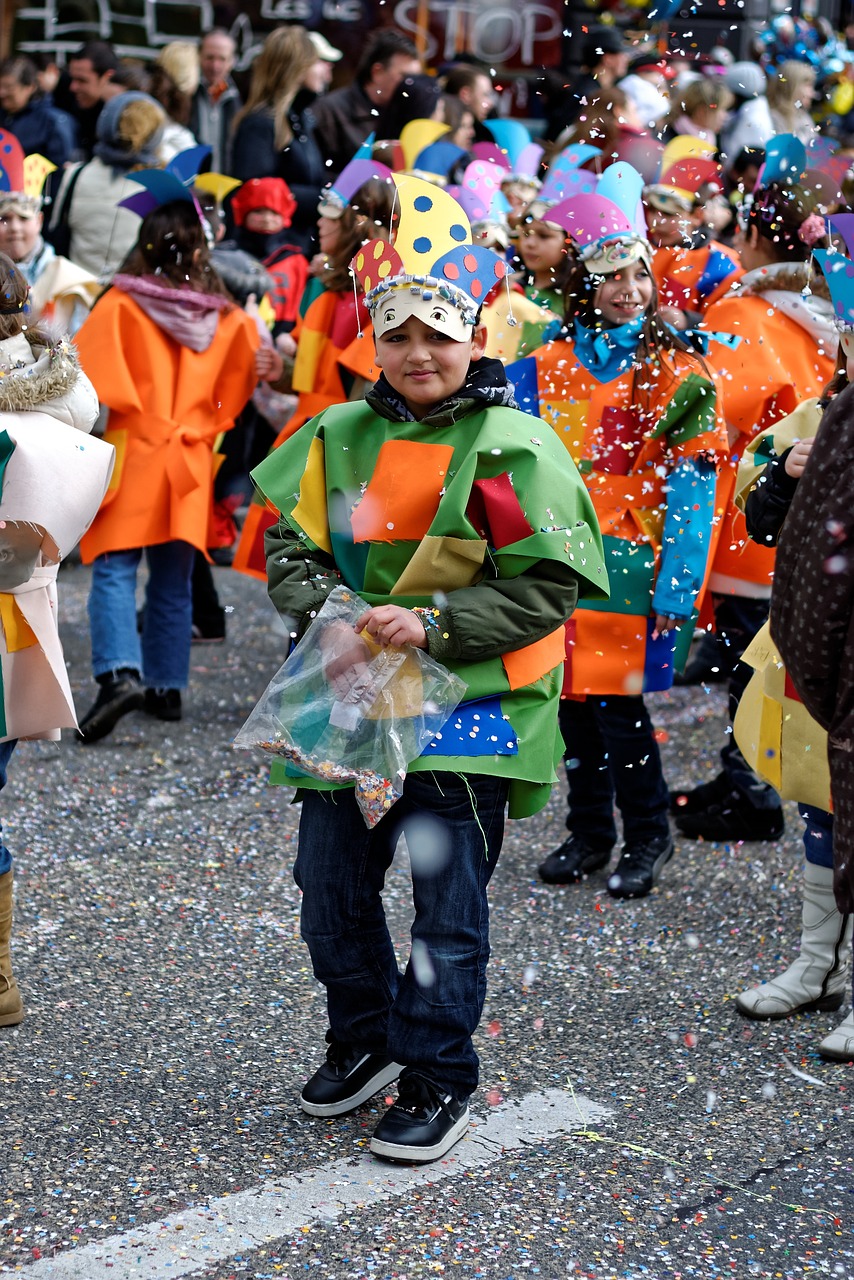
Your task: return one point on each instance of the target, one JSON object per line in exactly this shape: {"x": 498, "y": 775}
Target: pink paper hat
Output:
{"x": 607, "y": 226}
{"x": 479, "y": 193}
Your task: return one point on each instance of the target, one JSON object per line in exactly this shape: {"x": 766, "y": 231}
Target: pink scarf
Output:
{"x": 191, "y": 318}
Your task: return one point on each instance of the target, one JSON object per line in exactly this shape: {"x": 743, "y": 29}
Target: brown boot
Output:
{"x": 11, "y": 1008}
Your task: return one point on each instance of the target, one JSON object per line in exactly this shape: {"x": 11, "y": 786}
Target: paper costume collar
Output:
{"x": 21, "y": 177}
{"x": 607, "y": 226}
{"x": 433, "y": 271}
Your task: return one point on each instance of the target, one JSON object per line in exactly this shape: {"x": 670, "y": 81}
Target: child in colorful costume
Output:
{"x": 183, "y": 362}
{"x": 638, "y": 412}
{"x": 53, "y": 475}
{"x": 465, "y": 527}
{"x": 774, "y": 730}
{"x": 787, "y": 353}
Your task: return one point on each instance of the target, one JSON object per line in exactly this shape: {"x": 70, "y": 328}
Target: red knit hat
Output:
{"x": 263, "y": 193}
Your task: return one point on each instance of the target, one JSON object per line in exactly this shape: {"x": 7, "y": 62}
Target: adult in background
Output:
{"x": 345, "y": 117}
{"x": 750, "y": 124}
{"x": 604, "y": 60}
{"x": 216, "y": 101}
{"x": 274, "y": 133}
{"x": 473, "y": 86}
{"x": 90, "y": 71}
{"x": 174, "y": 79}
{"x": 40, "y": 127}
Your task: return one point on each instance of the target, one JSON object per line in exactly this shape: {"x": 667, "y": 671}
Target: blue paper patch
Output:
{"x": 658, "y": 661}
{"x": 476, "y": 728}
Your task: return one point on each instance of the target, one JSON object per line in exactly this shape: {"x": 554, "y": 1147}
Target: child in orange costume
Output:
{"x": 183, "y": 360}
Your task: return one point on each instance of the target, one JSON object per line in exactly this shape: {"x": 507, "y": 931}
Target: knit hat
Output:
{"x": 264, "y": 193}
{"x": 433, "y": 271}
{"x": 130, "y": 129}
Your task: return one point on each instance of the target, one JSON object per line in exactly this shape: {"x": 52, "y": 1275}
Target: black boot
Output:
{"x": 686, "y": 800}
{"x": 732, "y": 819}
{"x": 163, "y": 704}
{"x": 120, "y": 692}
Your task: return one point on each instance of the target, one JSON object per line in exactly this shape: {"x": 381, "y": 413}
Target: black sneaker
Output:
{"x": 163, "y": 704}
{"x": 686, "y": 800}
{"x": 119, "y": 693}
{"x": 572, "y": 862}
{"x": 423, "y": 1124}
{"x": 348, "y": 1077}
{"x": 639, "y": 867}
{"x": 733, "y": 819}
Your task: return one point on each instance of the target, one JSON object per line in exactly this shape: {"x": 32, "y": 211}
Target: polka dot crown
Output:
{"x": 432, "y": 271}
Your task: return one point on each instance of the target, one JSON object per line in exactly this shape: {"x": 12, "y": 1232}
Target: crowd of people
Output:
{"x": 540, "y": 396}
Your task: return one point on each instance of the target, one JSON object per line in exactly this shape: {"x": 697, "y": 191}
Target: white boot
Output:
{"x": 839, "y": 1045}
{"x": 818, "y": 979}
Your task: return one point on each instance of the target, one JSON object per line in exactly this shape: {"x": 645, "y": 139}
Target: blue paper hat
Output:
{"x": 439, "y": 158}
{"x": 164, "y": 186}
{"x": 838, "y": 271}
{"x": 566, "y": 178}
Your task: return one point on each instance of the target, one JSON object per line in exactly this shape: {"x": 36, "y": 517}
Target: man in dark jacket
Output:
{"x": 345, "y": 117}
{"x": 216, "y": 101}
{"x": 40, "y": 127}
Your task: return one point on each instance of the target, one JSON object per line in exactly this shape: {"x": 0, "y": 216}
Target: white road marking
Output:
{"x": 187, "y": 1242}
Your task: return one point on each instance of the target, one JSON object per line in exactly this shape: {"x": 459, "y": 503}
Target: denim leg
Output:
{"x": 454, "y": 828}
{"x": 112, "y": 612}
{"x": 635, "y": 764}
{"x": 6, "y": 749}
{"x": 341, "y": 868}
{"x": 168, "y": 627}
{"x": 818, "y": 835}
{"x": 590, "y": 791}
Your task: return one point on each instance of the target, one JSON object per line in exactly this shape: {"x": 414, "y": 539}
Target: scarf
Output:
{"x": 606, "y": 353}
{"x": 191, "y": 318}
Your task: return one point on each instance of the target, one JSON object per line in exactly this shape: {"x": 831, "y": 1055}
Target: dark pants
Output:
{"x": 6, "y": 749}
{"x": 423, "y": 1018}
{"x": 611, "y": 754}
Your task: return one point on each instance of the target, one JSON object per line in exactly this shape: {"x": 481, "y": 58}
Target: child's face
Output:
{"x": 542, "y": 247}
{"x": 328, "y": 234}
{"x": 425, "y": 366}
{"x": 666, "y": 230}
{"x": 19, "y": 234}
{"x": 265, "y": 221}
{"x": 625, "y": 295}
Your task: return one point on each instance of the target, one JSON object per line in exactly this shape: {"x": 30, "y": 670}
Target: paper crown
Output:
{"x": 361, "y": 169}
{"x": 607, "y": 225}
{"x": 433, "y": 271}
{"x": 686, "y": 165}
{"x": 21, "y": 177}
{"x": 165, "y": 186}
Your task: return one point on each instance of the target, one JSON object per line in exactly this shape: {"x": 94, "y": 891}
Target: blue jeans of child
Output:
{"x": 611, "y": 754}
{"x": 6, "y": 749}
{"x": 818, "y": 835}
{"x": 423, "y": 1018}
{"x": 163, "y": 657}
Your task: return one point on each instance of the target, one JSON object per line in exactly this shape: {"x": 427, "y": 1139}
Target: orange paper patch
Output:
{"x": 402, "y": 498}
{"x": 608, "y": 652}
{"x": 524, "y": 666}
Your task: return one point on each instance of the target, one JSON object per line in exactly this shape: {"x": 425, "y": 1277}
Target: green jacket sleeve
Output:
{"x": 299, "y": 576}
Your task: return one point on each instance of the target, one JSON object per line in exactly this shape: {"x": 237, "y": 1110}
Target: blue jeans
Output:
{"x": 611, "y": 754}
{"x": 6, "y": 749}
{"x": 818, "y": 835}
{"x": 163, "y": 657}
{"x": 423, "y": 1018}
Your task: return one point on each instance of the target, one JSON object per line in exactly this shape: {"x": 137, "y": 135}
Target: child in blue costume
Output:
{"x": 465, "y": 527}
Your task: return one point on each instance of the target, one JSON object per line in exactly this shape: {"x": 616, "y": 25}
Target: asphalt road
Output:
{"x": 629, "y": 1123}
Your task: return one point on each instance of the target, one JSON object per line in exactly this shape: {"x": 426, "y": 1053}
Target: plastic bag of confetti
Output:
{"x": 346, "y": 710}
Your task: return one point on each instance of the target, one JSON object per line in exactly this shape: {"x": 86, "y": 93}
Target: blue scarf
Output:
{"x": 606, "y": 353}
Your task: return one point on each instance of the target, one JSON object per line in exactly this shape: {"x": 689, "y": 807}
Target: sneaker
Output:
{"x": 639, "y": 867}
{"x": 423, "y": 1124}
{"x": 119, "y": 693}
{"x": 573, "y": 861}
{"x": 163, "y": 704}
{"x": 732, "y": 819}
{"x": 348, "y": 1077}
{"x": 686, "y": 800}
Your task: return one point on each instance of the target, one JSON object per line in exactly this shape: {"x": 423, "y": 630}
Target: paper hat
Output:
{"x": 21, "y": 177}
{"x": 607, "y": 226}
{"x": 416, "y": 135}
{"x": 485, "y": 205}
{"x": 439, "y": 159}
{"x": 564, "y": 179}
{"x": 520, "y": 156}
{"x": 165, "y": 186}
{"x": 361, "y": 169}
{"x": 264, "y": 193}
{"x": 687, "y": 164}
{"x": 433, "y": 271}
{"x": 838, "y": 271}
{"x": 218, "y": 185}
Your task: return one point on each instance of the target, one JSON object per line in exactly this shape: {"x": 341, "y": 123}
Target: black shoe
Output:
{"x": 639, "y": 867}
{"x": 209, "y": 633}
{"x": 695, "y": 800}
{"x": 348, "y": 1077}
{"x": 164, "y": 704}
{"x": 732, "y": 819}
{"x": 120, "y": 692}
{"x": 573, "y": 861}
{"x": 423, "y": 1124}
